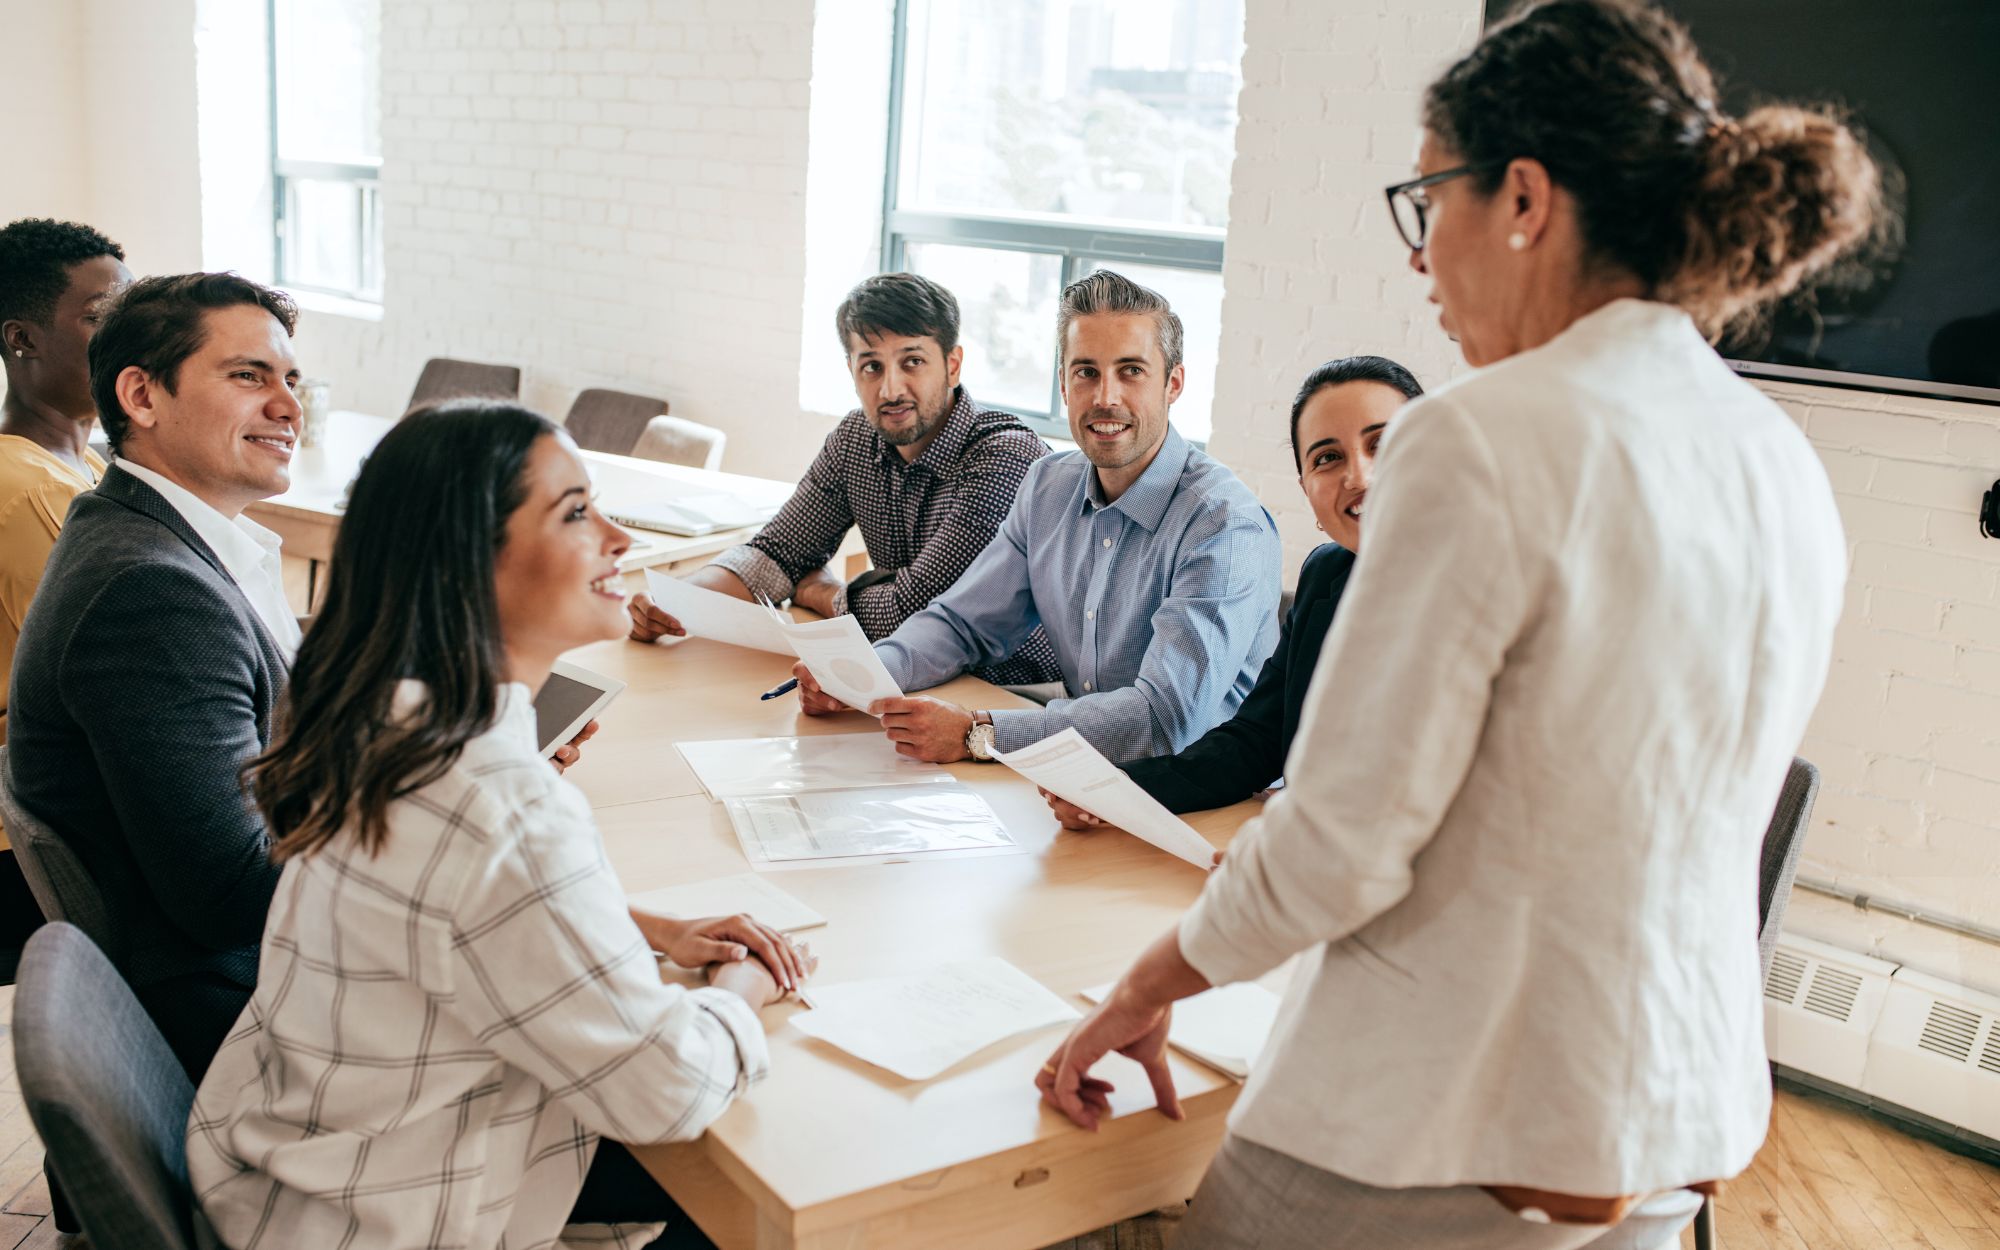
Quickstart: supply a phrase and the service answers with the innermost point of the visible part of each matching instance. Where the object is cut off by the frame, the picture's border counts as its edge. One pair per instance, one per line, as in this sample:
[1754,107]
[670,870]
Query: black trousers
[617,1190]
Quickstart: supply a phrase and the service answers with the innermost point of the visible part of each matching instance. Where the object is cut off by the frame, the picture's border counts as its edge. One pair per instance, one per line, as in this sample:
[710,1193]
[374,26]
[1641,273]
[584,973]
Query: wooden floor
[1829,1178]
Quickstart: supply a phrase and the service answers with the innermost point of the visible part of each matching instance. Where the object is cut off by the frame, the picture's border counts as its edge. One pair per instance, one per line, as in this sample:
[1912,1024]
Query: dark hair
[1106,291]
[1349,369]
[156,324]
[35,258]
[1719,215]
[898,303]
[410,594]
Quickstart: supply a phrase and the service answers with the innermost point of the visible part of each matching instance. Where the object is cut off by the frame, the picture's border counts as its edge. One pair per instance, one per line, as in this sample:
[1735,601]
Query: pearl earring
[19,352]
[1518,241]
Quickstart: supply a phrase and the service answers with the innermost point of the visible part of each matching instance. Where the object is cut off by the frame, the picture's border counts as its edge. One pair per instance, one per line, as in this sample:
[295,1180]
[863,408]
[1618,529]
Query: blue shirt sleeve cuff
[1017,727]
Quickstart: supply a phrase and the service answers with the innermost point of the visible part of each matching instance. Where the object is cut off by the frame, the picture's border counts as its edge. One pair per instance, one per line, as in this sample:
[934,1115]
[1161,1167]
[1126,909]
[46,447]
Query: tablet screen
[561,701]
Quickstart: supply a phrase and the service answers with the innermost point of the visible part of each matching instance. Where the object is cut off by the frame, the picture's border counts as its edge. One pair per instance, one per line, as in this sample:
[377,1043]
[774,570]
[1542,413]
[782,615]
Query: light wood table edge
[1034,1195]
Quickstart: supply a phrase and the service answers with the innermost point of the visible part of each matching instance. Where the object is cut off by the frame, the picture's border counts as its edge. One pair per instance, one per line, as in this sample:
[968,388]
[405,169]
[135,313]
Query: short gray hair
[1106,291]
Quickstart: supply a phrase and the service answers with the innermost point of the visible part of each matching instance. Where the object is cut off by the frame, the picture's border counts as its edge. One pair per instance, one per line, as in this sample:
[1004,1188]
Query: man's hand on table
[572,751]
[820,591]
[650,624]
[926,728]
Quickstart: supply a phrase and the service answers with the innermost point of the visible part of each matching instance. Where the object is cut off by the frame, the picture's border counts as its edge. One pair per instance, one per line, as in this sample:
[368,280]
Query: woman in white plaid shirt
[454,1004]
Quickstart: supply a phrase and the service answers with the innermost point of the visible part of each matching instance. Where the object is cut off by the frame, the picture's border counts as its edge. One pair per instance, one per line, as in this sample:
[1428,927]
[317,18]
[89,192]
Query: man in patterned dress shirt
[923,470]
[1152,569]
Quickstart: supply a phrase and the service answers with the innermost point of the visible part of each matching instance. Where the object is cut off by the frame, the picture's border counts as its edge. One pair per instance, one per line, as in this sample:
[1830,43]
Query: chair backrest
[55,876]
[444,378]
[675,440]
[612,421]
[1780,860]
[106,1095]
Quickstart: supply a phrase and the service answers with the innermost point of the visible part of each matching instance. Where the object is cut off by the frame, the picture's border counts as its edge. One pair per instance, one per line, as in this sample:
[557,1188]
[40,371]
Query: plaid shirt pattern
[924,521]
[441,1033]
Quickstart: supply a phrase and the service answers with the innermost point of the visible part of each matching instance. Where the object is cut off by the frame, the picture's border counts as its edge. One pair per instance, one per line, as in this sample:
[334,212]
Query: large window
[326,149]
[1036,141]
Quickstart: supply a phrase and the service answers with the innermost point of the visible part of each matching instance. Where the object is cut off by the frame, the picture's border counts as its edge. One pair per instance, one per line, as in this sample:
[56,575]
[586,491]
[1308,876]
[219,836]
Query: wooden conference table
[830,1152]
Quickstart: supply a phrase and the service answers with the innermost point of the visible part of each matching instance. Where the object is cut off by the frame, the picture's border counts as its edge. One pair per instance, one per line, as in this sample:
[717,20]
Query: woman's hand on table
[1126,1024]
[722,940]
[751,979]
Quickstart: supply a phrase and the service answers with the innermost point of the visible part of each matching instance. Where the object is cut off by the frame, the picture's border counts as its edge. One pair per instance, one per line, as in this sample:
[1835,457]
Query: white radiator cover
[1889,1033]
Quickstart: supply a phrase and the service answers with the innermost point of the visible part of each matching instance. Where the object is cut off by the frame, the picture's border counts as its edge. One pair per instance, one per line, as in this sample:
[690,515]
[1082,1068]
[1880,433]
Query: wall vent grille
[1787,971]
[1949,1031]
[1832,992]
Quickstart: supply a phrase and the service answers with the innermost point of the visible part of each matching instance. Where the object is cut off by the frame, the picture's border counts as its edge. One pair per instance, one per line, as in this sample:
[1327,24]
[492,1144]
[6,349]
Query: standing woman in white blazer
[1518,861]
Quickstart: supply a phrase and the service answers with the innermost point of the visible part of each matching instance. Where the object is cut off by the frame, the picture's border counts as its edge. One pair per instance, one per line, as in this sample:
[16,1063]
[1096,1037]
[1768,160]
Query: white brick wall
[1908,732]
[605,192]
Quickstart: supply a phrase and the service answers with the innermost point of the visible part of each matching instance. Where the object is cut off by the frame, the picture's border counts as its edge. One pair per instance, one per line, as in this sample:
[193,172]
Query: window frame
[1083,244]
[364,177]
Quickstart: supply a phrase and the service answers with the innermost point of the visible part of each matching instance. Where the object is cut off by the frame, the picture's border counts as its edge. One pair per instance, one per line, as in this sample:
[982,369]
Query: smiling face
[226,429]
[1340,429]
[556,578]
[1117,388]
[905,385]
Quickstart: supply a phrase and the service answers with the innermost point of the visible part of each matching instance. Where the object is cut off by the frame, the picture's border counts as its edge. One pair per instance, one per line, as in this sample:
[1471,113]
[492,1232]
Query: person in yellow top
[53,277]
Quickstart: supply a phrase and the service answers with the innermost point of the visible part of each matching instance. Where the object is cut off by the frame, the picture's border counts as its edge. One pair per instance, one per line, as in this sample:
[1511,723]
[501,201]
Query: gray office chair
[56,878]
[612,421]
[443,378]
[1776,868]
[108,1099]
[676,440]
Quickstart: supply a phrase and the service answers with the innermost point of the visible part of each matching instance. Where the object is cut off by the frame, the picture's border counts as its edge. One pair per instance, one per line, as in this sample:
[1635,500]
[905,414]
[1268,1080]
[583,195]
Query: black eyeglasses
[1411,207]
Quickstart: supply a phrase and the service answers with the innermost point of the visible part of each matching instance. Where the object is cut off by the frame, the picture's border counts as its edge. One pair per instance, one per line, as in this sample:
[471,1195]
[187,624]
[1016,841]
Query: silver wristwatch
[979,738]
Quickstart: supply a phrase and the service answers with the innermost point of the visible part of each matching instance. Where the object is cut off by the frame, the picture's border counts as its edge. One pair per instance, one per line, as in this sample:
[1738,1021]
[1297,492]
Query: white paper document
[1226,1027]
[870,825]
[708,614]
[733,768]
[746,893]
[918,1026]
[841,658]
[1070,768]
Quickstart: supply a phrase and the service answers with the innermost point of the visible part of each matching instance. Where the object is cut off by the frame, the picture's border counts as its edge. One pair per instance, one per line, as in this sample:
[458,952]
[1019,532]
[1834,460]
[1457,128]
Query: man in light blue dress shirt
[1153,569]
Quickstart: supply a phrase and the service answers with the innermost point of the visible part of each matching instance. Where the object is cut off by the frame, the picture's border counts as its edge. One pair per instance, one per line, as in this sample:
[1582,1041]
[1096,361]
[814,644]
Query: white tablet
[570,697]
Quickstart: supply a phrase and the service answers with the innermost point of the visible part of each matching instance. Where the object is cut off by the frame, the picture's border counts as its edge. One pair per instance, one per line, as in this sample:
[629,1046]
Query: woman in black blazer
[1337,422]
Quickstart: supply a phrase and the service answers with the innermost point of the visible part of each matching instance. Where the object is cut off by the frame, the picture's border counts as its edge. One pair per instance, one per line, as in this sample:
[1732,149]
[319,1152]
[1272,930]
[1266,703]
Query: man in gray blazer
[156,648]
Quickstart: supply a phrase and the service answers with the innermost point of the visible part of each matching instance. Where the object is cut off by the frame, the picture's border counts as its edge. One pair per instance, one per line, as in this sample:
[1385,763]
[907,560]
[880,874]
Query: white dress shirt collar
[247,550]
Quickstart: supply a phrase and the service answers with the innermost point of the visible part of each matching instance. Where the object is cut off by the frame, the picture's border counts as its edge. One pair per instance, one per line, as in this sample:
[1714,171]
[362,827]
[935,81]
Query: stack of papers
[876,825]
[918,1026]
[734,768]
[746,893]
[1073,770]
[838,654]
[1226,1027]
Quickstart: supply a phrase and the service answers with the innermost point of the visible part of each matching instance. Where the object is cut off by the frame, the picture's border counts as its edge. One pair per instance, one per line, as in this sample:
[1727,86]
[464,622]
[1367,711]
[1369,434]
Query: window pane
[333,240]
[1196,297]
[1007,318]
[329,87]
[1110,109]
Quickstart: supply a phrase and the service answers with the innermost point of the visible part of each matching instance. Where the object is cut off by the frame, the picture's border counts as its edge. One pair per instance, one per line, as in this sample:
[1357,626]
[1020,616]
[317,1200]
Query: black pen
[789,685]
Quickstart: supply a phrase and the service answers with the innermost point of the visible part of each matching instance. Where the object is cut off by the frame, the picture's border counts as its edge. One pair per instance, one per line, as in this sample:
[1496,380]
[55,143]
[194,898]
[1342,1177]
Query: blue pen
[789,685]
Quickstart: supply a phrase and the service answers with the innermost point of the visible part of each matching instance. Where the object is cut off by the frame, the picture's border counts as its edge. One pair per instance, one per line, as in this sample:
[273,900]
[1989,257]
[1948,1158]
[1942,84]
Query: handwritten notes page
[1067,766]
[1226,1027]
[746,893]
[918,1026]
[731,768]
